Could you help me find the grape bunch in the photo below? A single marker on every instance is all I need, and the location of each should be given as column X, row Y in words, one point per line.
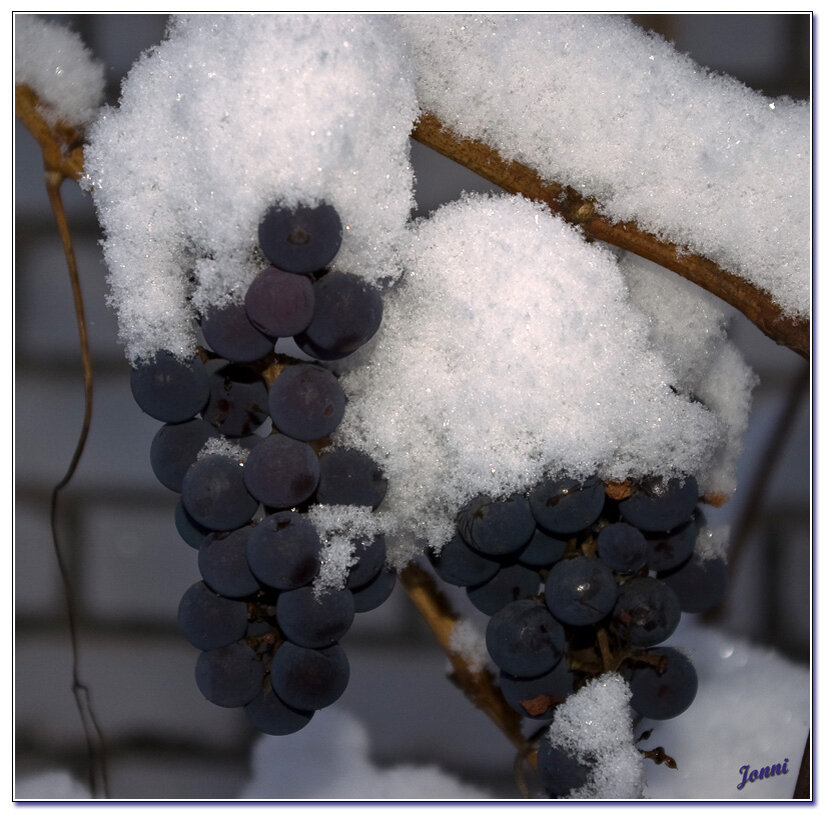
column 582, row 577
column 269, row 637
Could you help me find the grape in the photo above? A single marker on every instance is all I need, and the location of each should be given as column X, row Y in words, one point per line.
column 369, row 559
column 209, row 621
column 269, row 714
column 647, row 611
column 302, row 239
column 622, row 547
column 699, row 584
column 560, row 772
column 175, row 447
column 169, row 389
column 314, row 621
column 305, row 678
column 375, row 592
column 659, row 505
column 508, row 584
column 458, row 564
column 543, row 550
column 238, row 399
column 670, row 550
column 663, row 695
column 347, row 313
column 214, row 495
column 279, row 304
column 283, row 550
column 524, row 639
column 580, row 591
column 229, row 333
column 222, row 560
column 306, row 402
column 188, row 529
column 229, row 676
column 349, row 477
column 534, row 697
column 496, row 528
column 281, row 472
column 565, row 506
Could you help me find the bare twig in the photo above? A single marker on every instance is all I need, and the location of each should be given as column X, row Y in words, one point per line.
column 514, row 177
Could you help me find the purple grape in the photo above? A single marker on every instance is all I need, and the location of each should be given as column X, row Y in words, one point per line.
column 279, row 304
column 169, row 389
column 560, row 772
column 349, row 477
column 230, row 334
column 369, row 560
column 214, row 495
column 347, row 313
column 209, row 621
column 666, row 551
column 580, row 591
column 699, row 584
column 622, row 547
column 647, row 611
column 535, row 697
column 508, row 584
column 375, row 593
column 269, row 714
column 229, row 676
column 312, row 620
column 565, row 506
column 284, row 550
column 281, row 472
column 188, row 529
column 661, row 505
column 175, row 447
column 306, row 402
column 543, row 550
column 222, row 561
column 300, row 239
column 496, row 528
column 667, row 694
column 309, row 679
column 238, row 399
column 458, row 564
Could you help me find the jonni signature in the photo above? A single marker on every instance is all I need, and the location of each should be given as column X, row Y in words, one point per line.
column 761, row 774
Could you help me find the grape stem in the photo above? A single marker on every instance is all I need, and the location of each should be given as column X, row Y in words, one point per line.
column 754, row 303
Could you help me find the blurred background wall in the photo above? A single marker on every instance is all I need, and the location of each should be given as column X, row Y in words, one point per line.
column 128, row 567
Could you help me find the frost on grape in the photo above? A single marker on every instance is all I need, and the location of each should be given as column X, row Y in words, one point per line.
column 54, row 62
column 224, row 447
column 594, row 726
column 227, row 116
column 593, row 101
column 510, row 350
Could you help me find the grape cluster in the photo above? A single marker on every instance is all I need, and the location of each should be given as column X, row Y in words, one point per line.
column 579, row 577
column 269, row 637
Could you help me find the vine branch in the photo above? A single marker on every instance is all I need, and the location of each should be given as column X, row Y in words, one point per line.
column 514, row 177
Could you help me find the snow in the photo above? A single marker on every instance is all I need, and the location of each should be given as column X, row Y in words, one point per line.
column 509, row 351
column 468, row 642
column 227, row 116
column 52, row 784
column 594, row 726
column 592, row 101
column 54, row 62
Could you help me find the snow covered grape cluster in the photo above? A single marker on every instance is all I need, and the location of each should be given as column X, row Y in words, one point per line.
column 582, row 578
column 269, row 638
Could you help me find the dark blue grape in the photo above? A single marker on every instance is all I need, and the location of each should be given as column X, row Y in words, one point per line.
column 238, row 399
column 188, row 529
column 661, row 505
column 279, row 304
column 496, row 528
column 306, row 679
column 524, row 639
column 281, row 472
column 306, row 402
column 699, row 584
column 565, row 506
column 229, row 676
column 667, row 694
column 666, row 551
column 169, row 389
column 346, row 315
column 580, row 591
column 222, row 561
column 536, row 697
column 312, row 620
column 508, row 584
column 369, row 560
column 543, row 550
column 175, row 447
column 560, row 772
column 300, row 239
column 209, row 621
column 349, row 477
column 647, row 611
column 229, row 333
column 622, row 547
column 283, row 550
column 374, row 593
column 458, row 564
column 269, row 714
column 214, row 495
